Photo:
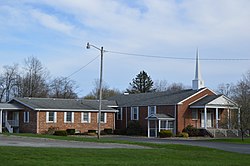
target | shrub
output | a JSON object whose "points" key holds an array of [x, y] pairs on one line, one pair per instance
{"points": [[134, 128], [61, 133], [165, 133], [51, 130], [192, 131], [185, 135], [92, 131], [71, 131], [120, 131], [108, 131]]}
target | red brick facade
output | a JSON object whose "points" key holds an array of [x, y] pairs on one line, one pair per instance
{"points": [[181, 111], [37, 122]]}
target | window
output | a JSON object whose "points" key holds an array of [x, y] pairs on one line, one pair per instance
{"points": [[119, 114], [194, 114], [68, 117], [26, 117], [103, 117], [86, 116], [151, 110], [50, 117], [134, 113]]}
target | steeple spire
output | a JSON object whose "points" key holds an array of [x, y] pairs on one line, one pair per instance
{"points": [[197, 82]]}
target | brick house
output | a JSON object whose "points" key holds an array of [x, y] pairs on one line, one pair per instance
{"points": [[37, 115], [156, 111]]}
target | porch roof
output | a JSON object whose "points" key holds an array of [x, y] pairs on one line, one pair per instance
{"points": [[55, 104], [219, 101], [8, 106], [160, 117]]}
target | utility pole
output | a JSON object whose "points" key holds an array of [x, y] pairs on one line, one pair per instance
{"points": [[100, 88]]}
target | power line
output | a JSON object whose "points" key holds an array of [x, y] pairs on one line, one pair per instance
{"points": [[180, 58], [82, 67]]}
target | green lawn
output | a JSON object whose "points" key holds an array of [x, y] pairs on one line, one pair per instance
{"points": [[166, 155], [160, 154], [233, 140]]}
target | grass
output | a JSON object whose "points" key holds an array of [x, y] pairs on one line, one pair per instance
{"points": [[166, 155], [233, 140], [161, 154]]}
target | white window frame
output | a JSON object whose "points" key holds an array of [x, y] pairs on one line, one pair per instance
{"points": [[89, 117], [105, 117], [133, 110], [196, 114], [149, 110], [54, 118], [26, 118], [120, 111], [65, 117]]}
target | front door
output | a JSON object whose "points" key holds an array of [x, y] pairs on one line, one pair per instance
{"points": [[209, 120]]}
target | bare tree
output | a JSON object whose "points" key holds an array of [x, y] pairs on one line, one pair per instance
{"points": [[163, 85], [242, 97], [160, 85], [226, 89], [33, 82], [63, 87], [8, 81], [106, 91]]}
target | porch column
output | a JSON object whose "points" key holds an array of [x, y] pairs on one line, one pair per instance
{"points": [[148, 128], [217, 118], [159, 125], [155, 128], [238, 118], [228, 119], [6, 117], [1, 123], [205, 117]]}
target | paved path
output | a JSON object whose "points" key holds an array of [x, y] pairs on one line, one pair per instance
{"points": [[44, 142], [231, 147]]}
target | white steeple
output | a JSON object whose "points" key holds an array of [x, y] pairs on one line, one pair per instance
{"points": [[197, 82]]}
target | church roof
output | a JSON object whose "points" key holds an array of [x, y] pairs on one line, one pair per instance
{"points": [[153, 98]]}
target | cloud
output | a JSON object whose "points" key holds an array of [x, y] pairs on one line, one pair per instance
{"points": [[51, 22]]}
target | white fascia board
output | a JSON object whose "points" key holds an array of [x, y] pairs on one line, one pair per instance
{"points": [[196, 94], [192, 95], [26, 105], [213, 106]]}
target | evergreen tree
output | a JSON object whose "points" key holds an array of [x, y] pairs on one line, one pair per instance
{"points": [[141, 84]]}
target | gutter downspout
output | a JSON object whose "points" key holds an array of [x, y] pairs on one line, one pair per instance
{"points": [[175, 123], [126, 117], [1, 123], [37, 122]]}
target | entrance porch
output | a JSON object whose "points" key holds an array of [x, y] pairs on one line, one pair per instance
{"points": [[9, 117], [215, 112], [158, 122]]}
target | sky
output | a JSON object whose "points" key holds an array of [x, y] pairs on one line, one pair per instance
{"points": [[56, 32]]}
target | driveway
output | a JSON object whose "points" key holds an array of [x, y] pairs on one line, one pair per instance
{"points": [[231, 147], [45, 142]]}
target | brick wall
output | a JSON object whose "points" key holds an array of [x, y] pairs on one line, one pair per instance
{"points": [[78, 125], [184, 113], [143, 114], [31, 126]]}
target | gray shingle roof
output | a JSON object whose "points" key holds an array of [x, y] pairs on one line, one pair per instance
{"points": [[205, 100], [7, 106], [65, 104], [153, 98], [160, 116]]}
